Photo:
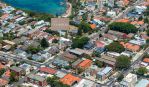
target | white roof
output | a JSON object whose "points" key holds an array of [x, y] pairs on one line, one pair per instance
{"points": [[130, 77], [85, 83]]}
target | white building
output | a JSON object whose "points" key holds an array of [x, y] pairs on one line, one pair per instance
{"points": [[111, 14], [103, 74], [129, 81], [26, 68], [140, 9]]}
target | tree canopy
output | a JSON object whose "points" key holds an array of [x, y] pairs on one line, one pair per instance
{"points": [[115, 47], [33, 50], [147, 31], [53, 81], [141, 71], [83, 28], [123, 62], [79, 42], [123, 27], [44, 43]]}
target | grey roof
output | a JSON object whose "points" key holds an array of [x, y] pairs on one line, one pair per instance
{"points": [[17, 69], [76, 62], [76, 52], [36, 77], [105, 71]]}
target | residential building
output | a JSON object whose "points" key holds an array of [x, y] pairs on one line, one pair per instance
{"points": [[58, 24], [129, 81], [103, 74], [36, 79], [17, 70], [26, 68], [3, 83], [85, 64], [85, 83], [70, 80], [47, 70], [146, 60], [142, 83]]}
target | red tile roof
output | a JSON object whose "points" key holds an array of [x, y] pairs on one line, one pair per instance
{"points": [[1, 66], [130, 46], [48, 70], [93, 26], [99, 44], [7, 73], [86, 63], [123, 20], [69, 79], [146, 60], [3, 82]]}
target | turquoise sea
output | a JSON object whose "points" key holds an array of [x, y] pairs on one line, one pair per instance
{"points": [[55, 7]]}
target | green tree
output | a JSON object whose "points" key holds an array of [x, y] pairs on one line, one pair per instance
{"points": [[96, 54], [44, 43], [79, 42], [115, 47], [2, 71], [55, 41], [13, 77], [33, 50], [140, 18], [54, 82], [122, 62], [123, 27], [141, 71], [98, 63], [85, 27], [147, 31], [120, 77], [146, 20]]}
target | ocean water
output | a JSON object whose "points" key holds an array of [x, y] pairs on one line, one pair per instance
{"points": [[54, 7]]}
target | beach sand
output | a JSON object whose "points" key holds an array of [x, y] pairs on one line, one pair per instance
{"points": [[69, 9]]}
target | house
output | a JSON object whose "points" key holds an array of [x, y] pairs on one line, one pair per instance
{"points": [[36, 79], [117, 34], [110, 61], [142, 83], [113, 54], [17, 70], [89, 46], [6, 75], [140, 9], [130, 47], [26, 67], [99, 44], [85, 64], [74, 64], [58, 24], [3, 83], [129, 80], [103, 74], [70, 80], [83, 51], [86, 83], [138, 42], [111, 37], [2, 66], [47, 70], [60, 62], [75, 52], [7, 42], [111, 14], [126, 20], [68, 56], [146, 60]]}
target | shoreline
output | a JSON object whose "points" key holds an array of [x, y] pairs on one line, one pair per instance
{"points": [[68, 11]]}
